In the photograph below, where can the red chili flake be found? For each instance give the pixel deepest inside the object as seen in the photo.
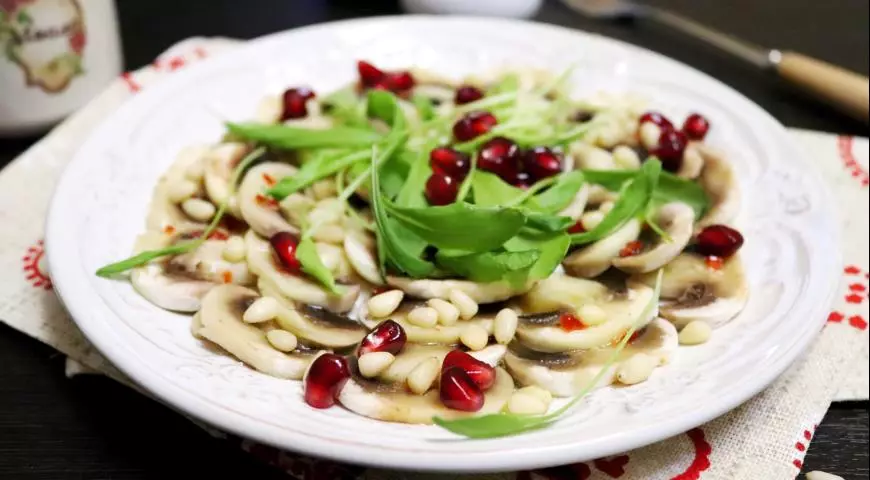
(570, 323)
(577, 227)
(270, 180)
(265, 201)
(227, 277)
(714, 263)
(631, 249)
(217, 235)
(169, 229)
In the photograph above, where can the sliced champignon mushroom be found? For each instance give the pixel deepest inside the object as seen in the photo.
(541, 330)
(676, 219)
(178, 283)
(596, 258)
(221, 322)
(314, 325)
(578, 205)
(479, 292)
(693, 162)
(359, 248)
(393, 403)
(413, 354)
(259, 211)
(220, 163)
(295, 287)
(440, 334)
(567, 374)
(165, 211)
(691, 290)
(720, 183)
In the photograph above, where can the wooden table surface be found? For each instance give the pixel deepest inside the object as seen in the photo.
(91, 428)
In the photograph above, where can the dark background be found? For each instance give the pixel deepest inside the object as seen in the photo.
(91, 428)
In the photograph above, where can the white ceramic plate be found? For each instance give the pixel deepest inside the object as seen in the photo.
(100, 205)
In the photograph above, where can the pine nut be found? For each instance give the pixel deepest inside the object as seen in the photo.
(262, 310)
(296, 207)
(606, 207)
(626, 158)
(195, 171)
(525, 404)
(422, 377)
(448, 314)
(383, 305)
(426, 317)
(323, 189)
(234, 250)
(198, 209)
(592, 219)
(474, 337)
(282, 340)
(373, 364)
(592, 315)
(817, 475)
(330, 234)
(181, 191)
(695, 333)
(636, 369)
(505, 326)
(326, 212)
(649, 135)
(467, 307)
(539, 393)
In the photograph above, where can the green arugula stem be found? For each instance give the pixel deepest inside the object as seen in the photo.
(147, 256)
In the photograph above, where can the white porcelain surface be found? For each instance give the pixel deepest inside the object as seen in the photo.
(494, 8)
(100, 204)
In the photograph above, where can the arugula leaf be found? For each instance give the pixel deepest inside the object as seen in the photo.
(504, 424)
(382, 105)
(424, 107)
(486, 266)
(560, 195)
(552, 250)
(346, 106)
(547, 223)
(491, 191)
(284, 137)
(509, 83)
(411, 194)
(313, 170)
(306, 253)
(634, 198)
(671, 188)
(147, 256)
(460, 226)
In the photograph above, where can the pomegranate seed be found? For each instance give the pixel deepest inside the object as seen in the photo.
(696, 126)
(325, 378)
(468, 94)
(714, 263)
(541, 162)
(577, 227)
(284, 245)
(672, 145)
(474, 125)
(570, 323)
(295, 100)
(657, 118)
(501, 157)
(389, 336)
(399, 81)
(446, 161)
(480, 372)
(719, 241)
(631, 249)
(459, 392)
(369, 75)
(441, 189)
(522, 180)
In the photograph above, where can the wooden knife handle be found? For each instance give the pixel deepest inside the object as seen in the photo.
(845, 90)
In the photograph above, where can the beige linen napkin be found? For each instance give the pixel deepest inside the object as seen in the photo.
(766, 438)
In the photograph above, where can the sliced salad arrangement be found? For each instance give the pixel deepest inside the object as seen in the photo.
(425, 251)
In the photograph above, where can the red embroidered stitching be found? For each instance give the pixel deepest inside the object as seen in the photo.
(31, 268)
(844, 145)
(701, 463)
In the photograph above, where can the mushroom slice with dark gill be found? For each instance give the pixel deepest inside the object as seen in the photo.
(676, 220)
(220, 321)
(567, 374)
